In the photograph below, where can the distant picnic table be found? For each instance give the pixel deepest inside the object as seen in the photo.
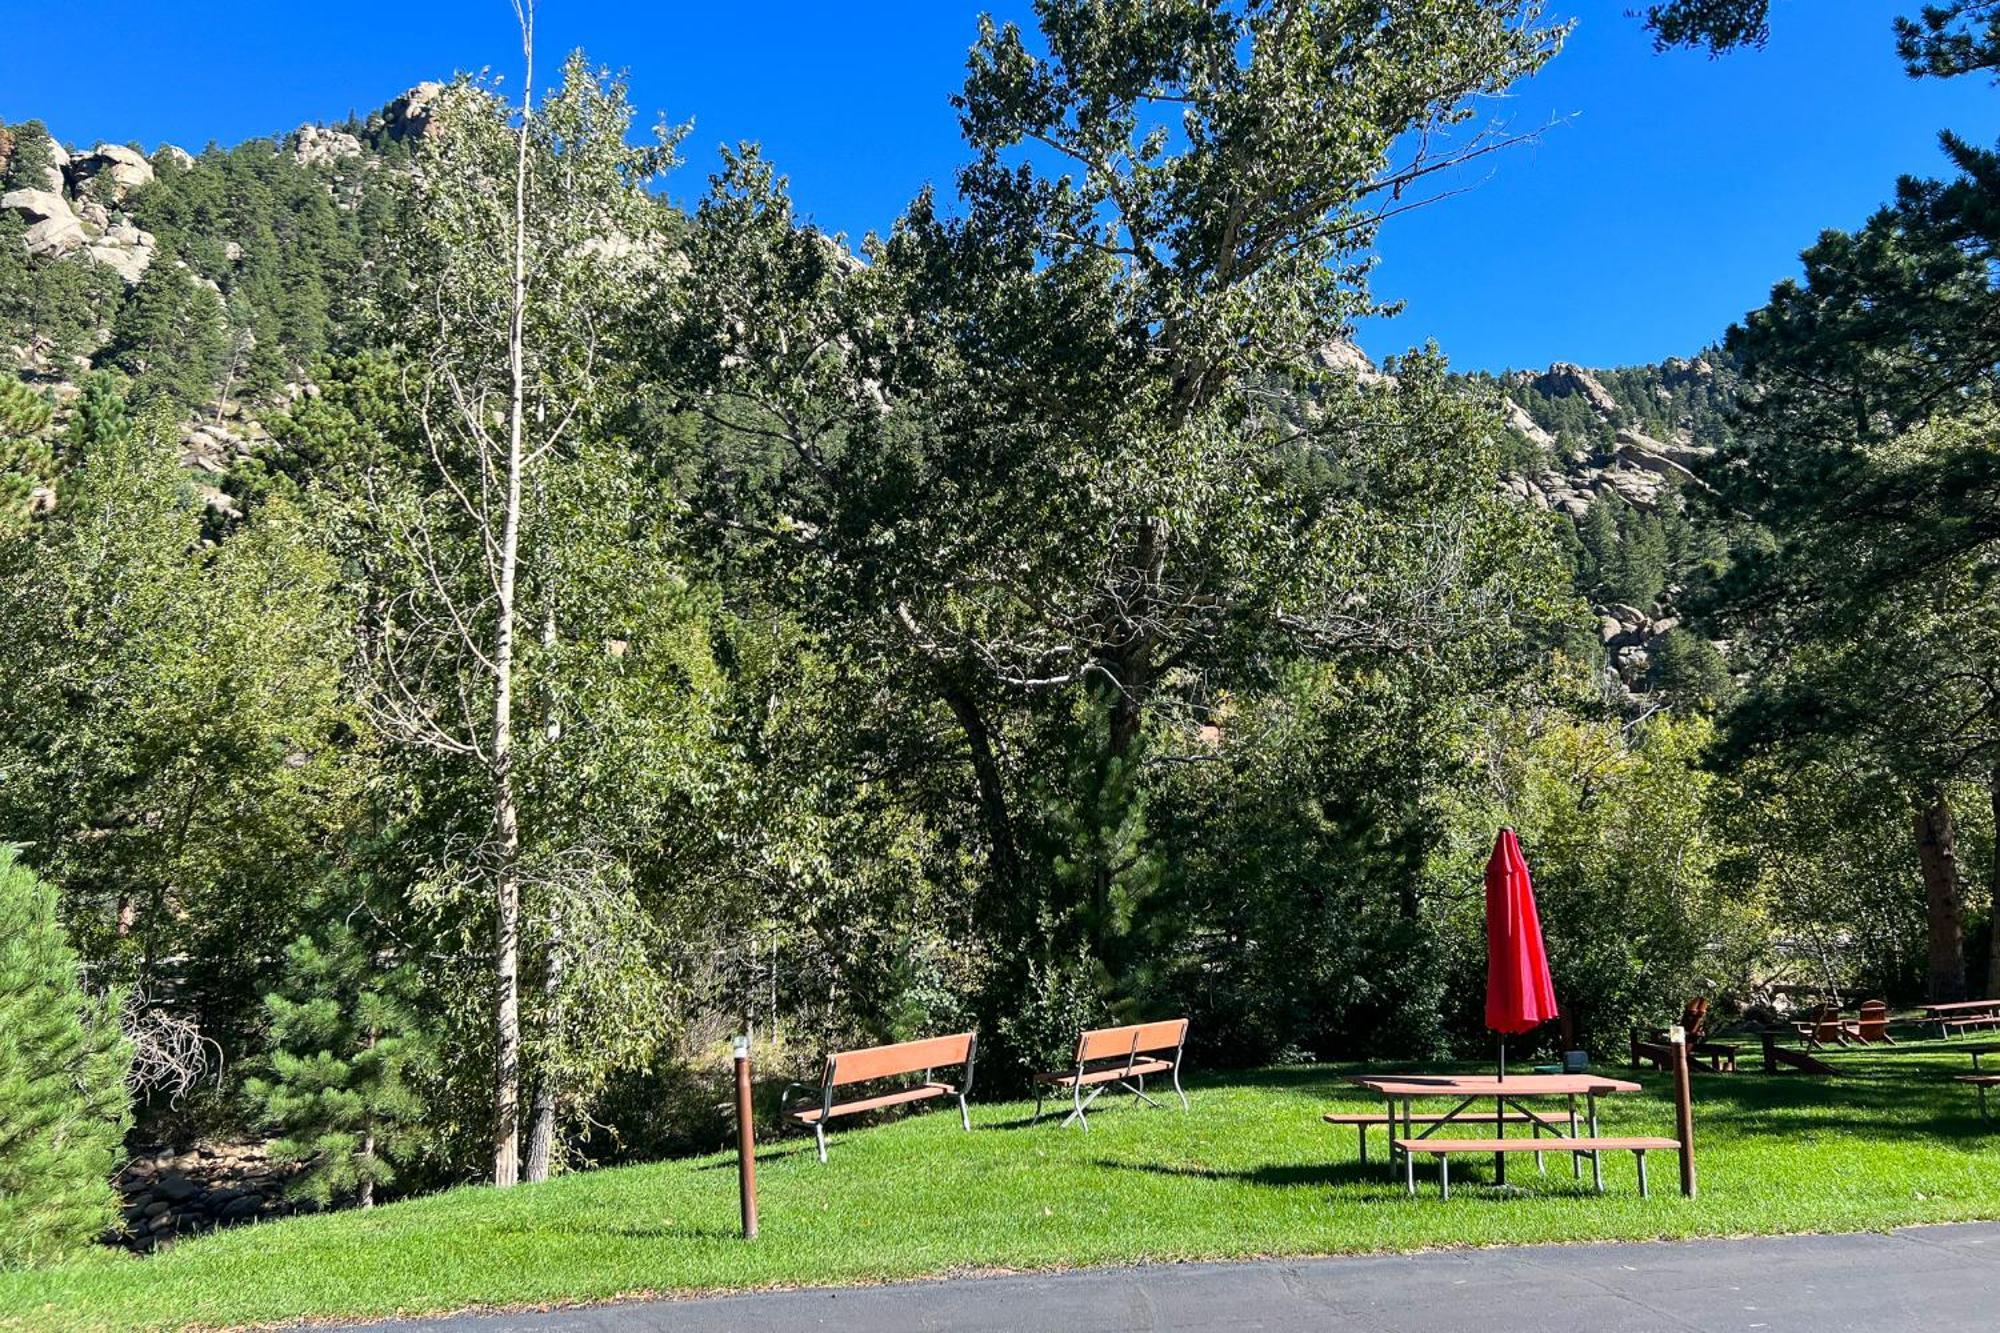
(1961, 1015)
(1401, 1091)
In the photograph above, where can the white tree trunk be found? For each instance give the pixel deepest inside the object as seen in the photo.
(506, 816)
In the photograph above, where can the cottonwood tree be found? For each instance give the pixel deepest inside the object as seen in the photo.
(1083, 450)
(175, 746)
(531, 240)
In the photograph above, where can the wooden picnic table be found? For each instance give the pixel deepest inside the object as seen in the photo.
(1961, 1006)
(1401, 1091)
(1963, 1014)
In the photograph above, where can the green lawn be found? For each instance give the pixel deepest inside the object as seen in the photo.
(1250, 1171)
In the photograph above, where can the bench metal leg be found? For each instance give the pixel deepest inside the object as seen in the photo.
(1444, 1175)
(1036, 1118)
(1540, 1165)
(1361, 1133)
(1139, 1091)
(819, 1133)
(1177, 1085)
(1082, 1103)
(1644, 1193)
(1597, 1170)
(964, 1113)
(1409, 1171)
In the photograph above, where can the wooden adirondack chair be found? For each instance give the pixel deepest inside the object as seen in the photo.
(1872, 1028)
(1825, 1028)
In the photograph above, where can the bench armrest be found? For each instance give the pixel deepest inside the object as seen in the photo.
(818, 1092)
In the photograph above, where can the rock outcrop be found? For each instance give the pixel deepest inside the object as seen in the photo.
(1634, 466)
(1342, 354)
(1521, 423)
(315, 147)
(409, 116)
(54, 229)
(110, 171)
(89, 220)
(1563, 379)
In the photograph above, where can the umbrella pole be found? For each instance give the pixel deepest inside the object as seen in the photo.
(1500, 1118)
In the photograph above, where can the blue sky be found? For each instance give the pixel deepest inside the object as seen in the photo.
(1664, 197)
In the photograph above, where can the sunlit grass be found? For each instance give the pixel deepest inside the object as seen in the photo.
(1249, 1171)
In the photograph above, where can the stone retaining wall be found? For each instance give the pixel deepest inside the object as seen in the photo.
(169, 1193)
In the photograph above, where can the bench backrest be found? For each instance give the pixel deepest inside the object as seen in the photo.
(1132, 1039)
(903, 1057)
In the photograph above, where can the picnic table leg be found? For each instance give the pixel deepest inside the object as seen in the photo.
(1409, 1171)
(1361, 1133)
(1641, 1155)
(1540, 1165)
(1575, 1163)
(1444, 1175)
(1596, 1158)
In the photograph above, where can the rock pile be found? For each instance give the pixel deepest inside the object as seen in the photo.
(168, 1194)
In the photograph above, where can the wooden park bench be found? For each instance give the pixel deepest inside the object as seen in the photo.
(1363, 1121)
(1442, 1149)
(878, 1063)
(1121, 1057)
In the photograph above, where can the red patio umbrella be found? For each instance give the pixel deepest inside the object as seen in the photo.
(1520, 996)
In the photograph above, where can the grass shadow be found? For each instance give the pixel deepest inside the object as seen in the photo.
(1281, 1175)
(795, 1149)
(664, 1231)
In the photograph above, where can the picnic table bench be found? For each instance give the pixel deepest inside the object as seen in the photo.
(1981, 1081)
(1363, 1121)
(1593, 1146)
(876, 1063)
(1121, 1057)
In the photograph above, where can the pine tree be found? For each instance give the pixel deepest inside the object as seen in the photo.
(27, 157)
(26, 463)
(63, 1104)
(346, 1047)
(172, 336)
(1642, 560)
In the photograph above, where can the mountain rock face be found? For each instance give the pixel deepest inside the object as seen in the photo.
(1608, 450)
